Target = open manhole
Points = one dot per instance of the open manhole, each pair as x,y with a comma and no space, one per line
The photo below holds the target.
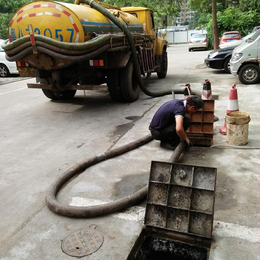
152,247
82,242
179,213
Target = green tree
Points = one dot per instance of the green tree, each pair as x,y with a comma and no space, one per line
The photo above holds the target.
201,6
12,6
247,5
5,19
235,19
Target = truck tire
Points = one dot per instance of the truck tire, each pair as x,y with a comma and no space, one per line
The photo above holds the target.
4,72
130,89
249,74
49,94
65,94
59,94
163,66
227,65
113,85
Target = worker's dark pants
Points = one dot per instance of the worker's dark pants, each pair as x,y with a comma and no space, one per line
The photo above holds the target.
169,133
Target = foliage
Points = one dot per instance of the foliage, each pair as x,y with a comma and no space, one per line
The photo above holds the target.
4,18
234,19
11,6
7,10
247,5
201,6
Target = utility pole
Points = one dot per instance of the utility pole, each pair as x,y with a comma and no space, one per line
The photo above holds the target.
214,24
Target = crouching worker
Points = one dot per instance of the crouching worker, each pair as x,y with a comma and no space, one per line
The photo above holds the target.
169,123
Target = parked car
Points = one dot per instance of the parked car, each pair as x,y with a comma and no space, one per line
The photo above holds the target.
237,42
198,41
6,67
220,59
230,36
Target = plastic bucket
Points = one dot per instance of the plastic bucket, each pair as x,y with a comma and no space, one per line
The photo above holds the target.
237,127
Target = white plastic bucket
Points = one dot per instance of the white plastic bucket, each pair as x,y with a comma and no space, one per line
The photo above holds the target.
237,128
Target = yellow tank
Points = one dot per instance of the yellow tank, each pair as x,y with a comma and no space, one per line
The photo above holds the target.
67,22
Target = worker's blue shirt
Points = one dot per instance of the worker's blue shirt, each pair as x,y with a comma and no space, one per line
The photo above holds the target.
166,114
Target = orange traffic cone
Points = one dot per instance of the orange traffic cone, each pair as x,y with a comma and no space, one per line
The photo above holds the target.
232,106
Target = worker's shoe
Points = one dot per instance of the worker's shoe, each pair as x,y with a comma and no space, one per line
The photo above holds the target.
168,145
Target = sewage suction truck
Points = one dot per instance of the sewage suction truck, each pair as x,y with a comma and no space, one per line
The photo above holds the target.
85,45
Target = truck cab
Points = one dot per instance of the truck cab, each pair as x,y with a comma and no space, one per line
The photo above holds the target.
146,18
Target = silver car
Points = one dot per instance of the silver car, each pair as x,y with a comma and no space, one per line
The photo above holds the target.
198,41
6,67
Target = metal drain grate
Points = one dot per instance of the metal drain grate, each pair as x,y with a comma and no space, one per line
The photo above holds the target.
82,242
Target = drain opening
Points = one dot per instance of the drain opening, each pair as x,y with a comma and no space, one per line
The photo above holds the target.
154,248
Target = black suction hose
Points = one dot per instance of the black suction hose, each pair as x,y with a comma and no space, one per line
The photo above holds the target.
103,209
97,210
21,55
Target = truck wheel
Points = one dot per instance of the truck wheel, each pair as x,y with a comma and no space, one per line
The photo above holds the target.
113,85
65,94
227,65
163,66
129,87
59,94
4,72
49,94
249,74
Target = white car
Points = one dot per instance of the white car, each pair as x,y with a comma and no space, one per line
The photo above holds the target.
198,41
6,67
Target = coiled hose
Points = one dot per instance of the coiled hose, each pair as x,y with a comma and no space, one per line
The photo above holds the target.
94,42
103,209
21,48
98,210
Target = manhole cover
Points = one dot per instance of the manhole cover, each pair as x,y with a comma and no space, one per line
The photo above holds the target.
82,242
